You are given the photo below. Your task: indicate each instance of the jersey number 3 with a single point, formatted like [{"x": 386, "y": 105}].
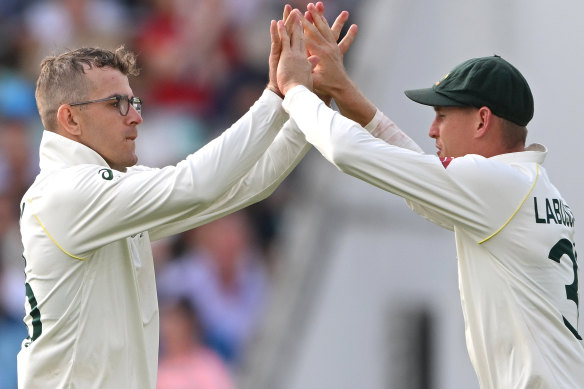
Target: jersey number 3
[{"x": 564, "y": 246}]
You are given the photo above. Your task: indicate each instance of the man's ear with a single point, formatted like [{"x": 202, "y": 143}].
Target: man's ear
[
  {"x": 68, "y": 120},
  {"x": 484, "y": 122}
]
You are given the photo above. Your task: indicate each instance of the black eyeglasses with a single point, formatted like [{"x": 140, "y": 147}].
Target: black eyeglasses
[{"x": 123, "y": 103}]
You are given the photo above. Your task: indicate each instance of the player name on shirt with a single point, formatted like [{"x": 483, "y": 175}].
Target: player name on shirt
[{"x": 555, "y": 211}]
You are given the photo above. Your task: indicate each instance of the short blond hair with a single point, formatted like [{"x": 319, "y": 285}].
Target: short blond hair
[
  {"x": 513, "y": 135},
  {"x": 62, "y": 78}
]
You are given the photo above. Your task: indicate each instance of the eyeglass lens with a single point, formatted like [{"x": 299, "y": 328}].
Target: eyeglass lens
[
  {"x": 137, "y": 104},
  {"x": 124, "y": 104}
]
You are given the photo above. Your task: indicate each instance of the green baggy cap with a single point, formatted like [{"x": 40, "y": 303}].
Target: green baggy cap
[{"x": 478, "y": 82}]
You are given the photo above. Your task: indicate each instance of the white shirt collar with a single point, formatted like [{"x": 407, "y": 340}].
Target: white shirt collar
[
  {"x": 57, "y": 151},
  {"x": 535, "y": 152}
]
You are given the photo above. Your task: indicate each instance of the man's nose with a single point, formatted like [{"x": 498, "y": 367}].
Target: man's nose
[
  {"x": 134, "y": 115},
  {"x": 434, "y": 132}
]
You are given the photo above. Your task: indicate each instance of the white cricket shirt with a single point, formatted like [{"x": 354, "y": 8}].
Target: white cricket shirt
[
  {"x": 514, "y": 236},
  {"x": 91, "y": 308}
]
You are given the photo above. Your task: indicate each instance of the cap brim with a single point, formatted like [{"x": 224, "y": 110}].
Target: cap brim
[{"x": 429, "y": 96}]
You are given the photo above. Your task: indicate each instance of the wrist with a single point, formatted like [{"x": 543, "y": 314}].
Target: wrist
[
  {"x": 342, "y": 89},
  {"x": 274, "y": 89},
  {"x": 354, "y": 105},
  {"x": 286, "y": 88}
]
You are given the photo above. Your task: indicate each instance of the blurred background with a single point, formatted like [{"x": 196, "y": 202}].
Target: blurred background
[{"x": 329, "y": 283}]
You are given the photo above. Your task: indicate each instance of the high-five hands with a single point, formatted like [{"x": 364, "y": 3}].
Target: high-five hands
[
  {"x": 293, "y": 66},
  {"x": 329, "y": 75},
  {"x": 321, "y": 52},
  {"x": 330, "y": 78},
  {"x": 275, "y": 50}
]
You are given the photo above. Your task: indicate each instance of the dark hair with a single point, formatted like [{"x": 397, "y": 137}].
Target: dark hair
[{"x": 62, "y": 78}]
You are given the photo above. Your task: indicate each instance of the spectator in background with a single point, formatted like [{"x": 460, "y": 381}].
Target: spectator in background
[
  {"x": 186, "y": 62},
  {"x": 12, "y": 330},
  {"x": 185, "y": 58},
  {"x": 17, "y": 169},
  {"x": 11, "y": 263},
  {"x": 11, "y": 334},
  {"x": 223, "y": 274},
  {"x": 185, "y": 362},
  {"x": 51, "y": 26}
]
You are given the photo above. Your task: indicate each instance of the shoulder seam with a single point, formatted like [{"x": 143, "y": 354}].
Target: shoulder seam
[
  {"x": 50, "y": 237},
  {"x": 516, "y": 210}
]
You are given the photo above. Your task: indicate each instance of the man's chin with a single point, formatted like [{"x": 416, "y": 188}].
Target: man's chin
[{"x": 134, "y": 161}]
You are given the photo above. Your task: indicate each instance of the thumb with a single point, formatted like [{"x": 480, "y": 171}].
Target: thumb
[{"x": 314, "y": 60}]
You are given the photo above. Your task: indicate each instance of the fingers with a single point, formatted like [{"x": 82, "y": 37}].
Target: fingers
[
  {"x": 317, "y": 18},
  {"x": 290, "y": 20},
  {"x": 339, "y": 23},
  {"x": 314, "y": 60},
  {"x": 274, "y": 58},
  {"x": 296, "y": 31},
  {"x": 290, "y": 23},
  {"x": 319, "y": 8},
  {"x": 316, "y": 27},
  {"x": 294, "y": 34},
  {"x": 348, "y": 39},
  {"x": 283, "y": 35},
  {"x": 276, "y": 42},
  {"x": 287, "y": 10},
  {"x": 293, "y": 67},
  {"x": 314, "y": 15}
]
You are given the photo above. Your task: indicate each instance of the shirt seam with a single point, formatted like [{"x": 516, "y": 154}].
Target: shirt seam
[
  {"x": 50, "y": 236},
  {"x": 516, "y": 210}
]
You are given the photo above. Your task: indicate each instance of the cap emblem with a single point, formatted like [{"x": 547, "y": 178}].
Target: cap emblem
[{"x": 442, "y": 79}]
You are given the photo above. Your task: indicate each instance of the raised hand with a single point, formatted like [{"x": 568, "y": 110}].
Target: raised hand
[
  {"x": 294, "y": 68},
  {"x": 329, "y": 75},
  {"x": 275, "y": 50}
]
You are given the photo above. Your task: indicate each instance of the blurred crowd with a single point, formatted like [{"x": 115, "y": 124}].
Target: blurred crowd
[{"x": 203, "y": 64}]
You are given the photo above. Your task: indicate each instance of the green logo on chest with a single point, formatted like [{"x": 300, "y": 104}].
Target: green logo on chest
[{"x": 106, "y": 174}]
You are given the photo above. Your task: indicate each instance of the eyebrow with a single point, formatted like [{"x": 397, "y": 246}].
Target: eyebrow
[
  {"x": 116, "y": 95},
  {"x": 120, "y": 95}
]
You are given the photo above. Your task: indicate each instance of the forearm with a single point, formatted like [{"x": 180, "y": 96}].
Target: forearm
[
  {"x": 385, "y": 129},
  {"x": 223, "y": 161},
  {"x": 354, "y": 105},
  {"x": 283, "y": 155},
  {"x": 352, "y": 102}
]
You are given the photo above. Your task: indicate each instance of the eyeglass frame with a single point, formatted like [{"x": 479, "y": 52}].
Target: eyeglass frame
[{"x": 135, "y": 102}]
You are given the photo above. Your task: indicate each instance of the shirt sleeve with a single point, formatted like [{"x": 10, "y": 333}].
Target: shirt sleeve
[
  {"x": 87, "y": 206},
  {"x": 452, "y": 195},
  {"x": 283, "y": 155},
  {"x": 385, "y": 129}
]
